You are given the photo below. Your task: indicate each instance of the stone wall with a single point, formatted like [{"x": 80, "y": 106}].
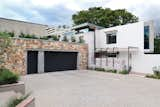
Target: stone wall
[{"x": 16, "y": 61}]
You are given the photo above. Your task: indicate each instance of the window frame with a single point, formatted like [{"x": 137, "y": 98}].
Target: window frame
[{"x": 111, "y": 37}]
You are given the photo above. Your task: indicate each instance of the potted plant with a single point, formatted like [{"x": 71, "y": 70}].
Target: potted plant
[
  {"x": 81, "y": 39},
  {"x": 65, "y": 39},
  {"x": 73, "y": 39},
  {"x": 156, "y": 70},
  {"x": 156, "y": 73}
]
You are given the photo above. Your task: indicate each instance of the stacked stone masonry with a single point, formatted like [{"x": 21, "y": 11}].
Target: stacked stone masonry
[{"x": 16, "y": 61}]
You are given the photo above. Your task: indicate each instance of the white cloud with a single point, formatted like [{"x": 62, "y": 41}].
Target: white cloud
[
  {"x": 73, "y": 6},
  {"x": 45, "y": 3},
  {"x": 44, "y": 11},
  {"x": 120, "y": 4}
]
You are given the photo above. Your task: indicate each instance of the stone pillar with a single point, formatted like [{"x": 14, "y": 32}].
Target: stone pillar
[{"x": 40, "y": 61}]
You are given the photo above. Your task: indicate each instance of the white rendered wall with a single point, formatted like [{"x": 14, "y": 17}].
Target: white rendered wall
[
  {"x": 129, "y": 35},
  {"x": 144, "y": 63}
]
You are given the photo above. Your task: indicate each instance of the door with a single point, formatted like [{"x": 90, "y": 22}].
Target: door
[
  {"x": 32, "y": 62},
  {"x": 60, "y": 61}
]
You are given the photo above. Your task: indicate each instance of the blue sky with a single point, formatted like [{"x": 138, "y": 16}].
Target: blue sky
[{"x": 59, "y": 12}]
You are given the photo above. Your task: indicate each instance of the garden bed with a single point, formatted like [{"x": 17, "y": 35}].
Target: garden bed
[{"x": 110, "y": 70}]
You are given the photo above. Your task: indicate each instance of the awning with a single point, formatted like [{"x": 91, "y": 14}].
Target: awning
[{"x": 117, "y": 49}]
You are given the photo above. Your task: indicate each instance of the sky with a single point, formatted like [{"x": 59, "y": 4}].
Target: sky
[{"x": 59, "y": 12}]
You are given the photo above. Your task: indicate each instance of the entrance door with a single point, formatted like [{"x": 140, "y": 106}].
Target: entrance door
[{"x": 32, "y": 62}]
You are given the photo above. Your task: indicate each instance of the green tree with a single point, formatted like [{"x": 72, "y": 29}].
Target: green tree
[
  {"x": 104, "y": 17},
  {"x": 156, "y": 45}
]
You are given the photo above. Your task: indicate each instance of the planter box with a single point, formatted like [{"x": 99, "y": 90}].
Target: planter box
[
  {"x": 17, "y": 87},
  {"x": 29, "y": 102}
]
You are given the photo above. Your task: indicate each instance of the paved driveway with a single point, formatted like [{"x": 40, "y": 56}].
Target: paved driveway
[{"x": 93, "y": 89}]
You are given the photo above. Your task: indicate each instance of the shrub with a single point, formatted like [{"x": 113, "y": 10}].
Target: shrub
[
  {"x": 7, "y": 34},
  {"x": 81, "y": 40},
  {"x": 55, "y": 37},
  {"x": 11, "y": 34},
  {"x": 124, "y": 72},
  {"x": 73, "y": 39},
  {"x": 7, "y": 77},
  {"x": 100, "y": 69},
  {"x": 65, "y": 39},
  {"x": 44, "y": 38},
  {"x": 153, "y": 76},
  {"x": 112, "y": 70},
  {"x": 22, "y": 35}
]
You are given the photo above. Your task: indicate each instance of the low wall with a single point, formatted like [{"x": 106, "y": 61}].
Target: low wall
[
  {"x": 16, "y": 61},
  {"x": 144, "y": 63}
]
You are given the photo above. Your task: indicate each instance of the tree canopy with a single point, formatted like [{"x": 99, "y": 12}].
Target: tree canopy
[{"x": 104, "y": 17}]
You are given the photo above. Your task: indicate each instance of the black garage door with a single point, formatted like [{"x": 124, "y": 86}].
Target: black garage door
[
  {"x": 60, "y": 61},
  {"x": 32, "y": 62}
]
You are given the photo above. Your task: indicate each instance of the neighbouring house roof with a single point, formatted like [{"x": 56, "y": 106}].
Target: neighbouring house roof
[
  {"x": 22, "y": 21},
  {"x": 86, "y": 25}
]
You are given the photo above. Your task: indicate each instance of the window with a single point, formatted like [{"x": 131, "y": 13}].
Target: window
[
  {"x": 146, "y": 37},
  {"x": 111, "y": 38}
]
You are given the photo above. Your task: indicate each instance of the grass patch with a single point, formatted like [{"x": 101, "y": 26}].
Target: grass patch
[
  {"x": 153, "y": 76},
  {"x": 16, "y": 101},
  {"x": 8, "y": 77}
]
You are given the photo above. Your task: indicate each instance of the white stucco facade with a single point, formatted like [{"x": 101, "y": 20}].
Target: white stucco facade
[{"x": 127, "y": 37}]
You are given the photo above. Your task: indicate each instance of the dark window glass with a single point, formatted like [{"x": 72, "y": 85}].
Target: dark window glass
[
  {"x": 104, "y": 54},
  {"x": 146, "y": 37},
  {"x": 111, "y": 38},
  {"x": 112, "y": 54}
]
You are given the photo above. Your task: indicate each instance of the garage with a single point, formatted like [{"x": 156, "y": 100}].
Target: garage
[
  {"x": 60, "y": 61},
  {"x": 32, "y": 62}
]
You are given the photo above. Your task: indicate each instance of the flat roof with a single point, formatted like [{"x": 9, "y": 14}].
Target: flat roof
[{"x": 86, "y": 25}]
